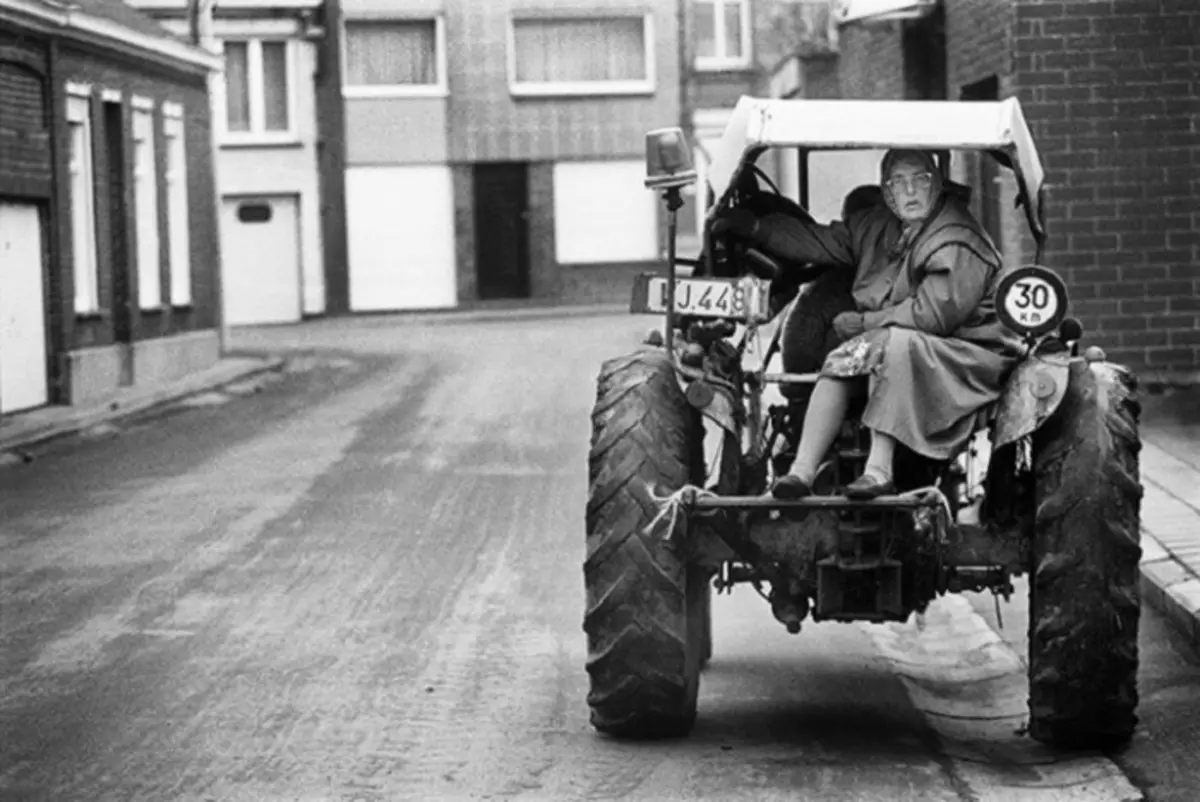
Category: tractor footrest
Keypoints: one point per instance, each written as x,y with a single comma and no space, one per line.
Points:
809,503
858,588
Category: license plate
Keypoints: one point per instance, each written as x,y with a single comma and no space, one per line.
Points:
741,298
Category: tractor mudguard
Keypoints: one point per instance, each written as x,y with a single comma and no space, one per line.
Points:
1031,395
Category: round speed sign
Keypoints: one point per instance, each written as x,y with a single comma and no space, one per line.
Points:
1031,300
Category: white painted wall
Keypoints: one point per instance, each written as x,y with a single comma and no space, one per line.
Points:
279,169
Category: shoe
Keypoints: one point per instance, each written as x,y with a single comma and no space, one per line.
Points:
790,487
867,487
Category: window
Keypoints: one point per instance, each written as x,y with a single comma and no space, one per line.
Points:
83,201
179,253
145,200
394,58
258,90
582,56
722,34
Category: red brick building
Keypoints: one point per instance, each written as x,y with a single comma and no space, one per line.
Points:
107,212
1111,89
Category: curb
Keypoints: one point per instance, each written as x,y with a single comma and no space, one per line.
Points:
456,316
73,423
1171,587
1170,564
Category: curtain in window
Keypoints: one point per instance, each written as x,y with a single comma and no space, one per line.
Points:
391,53
580,50
275,88
237,86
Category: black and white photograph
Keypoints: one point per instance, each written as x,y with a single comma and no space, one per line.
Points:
607,400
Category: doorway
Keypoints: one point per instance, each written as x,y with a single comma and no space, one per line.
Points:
260,251
501,231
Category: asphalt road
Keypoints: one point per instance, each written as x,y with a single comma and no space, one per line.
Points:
360,579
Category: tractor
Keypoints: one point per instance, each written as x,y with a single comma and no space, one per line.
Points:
688,433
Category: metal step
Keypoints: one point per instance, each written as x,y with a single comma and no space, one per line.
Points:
767,502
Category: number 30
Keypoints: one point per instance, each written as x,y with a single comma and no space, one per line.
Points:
1035,294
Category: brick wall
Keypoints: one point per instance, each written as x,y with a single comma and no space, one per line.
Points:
24,126
978,34
821,77
1110,89
872,61
466,283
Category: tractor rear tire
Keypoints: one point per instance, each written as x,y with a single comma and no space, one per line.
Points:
647,619
1084,596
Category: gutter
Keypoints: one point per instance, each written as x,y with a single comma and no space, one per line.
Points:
62,17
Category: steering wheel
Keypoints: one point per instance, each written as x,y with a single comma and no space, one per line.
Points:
748,193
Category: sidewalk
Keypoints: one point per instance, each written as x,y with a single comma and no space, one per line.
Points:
1170,464
25,429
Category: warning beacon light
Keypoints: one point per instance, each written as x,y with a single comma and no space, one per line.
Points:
668,162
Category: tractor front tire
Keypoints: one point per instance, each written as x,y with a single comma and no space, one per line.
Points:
647,613
1084,597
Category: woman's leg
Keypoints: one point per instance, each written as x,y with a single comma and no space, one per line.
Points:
877,476
822,421
883,452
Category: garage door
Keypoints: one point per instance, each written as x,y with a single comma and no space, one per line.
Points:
603,213
260,260
23,379
400,226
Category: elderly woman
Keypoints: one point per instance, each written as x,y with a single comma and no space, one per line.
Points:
924,328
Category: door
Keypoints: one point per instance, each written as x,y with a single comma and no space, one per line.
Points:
501,231
400,227
982,172
23,375
260,259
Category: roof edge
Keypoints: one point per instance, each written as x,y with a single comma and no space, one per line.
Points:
69,18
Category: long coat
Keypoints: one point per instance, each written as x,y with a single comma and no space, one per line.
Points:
935,350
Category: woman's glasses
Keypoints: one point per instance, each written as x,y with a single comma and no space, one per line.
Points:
920,181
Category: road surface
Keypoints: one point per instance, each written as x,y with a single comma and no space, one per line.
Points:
360,580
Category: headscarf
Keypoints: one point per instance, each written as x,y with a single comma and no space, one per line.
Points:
921,157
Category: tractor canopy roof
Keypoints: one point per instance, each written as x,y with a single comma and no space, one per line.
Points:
997,127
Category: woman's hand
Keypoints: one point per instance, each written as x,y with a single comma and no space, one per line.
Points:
848,325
